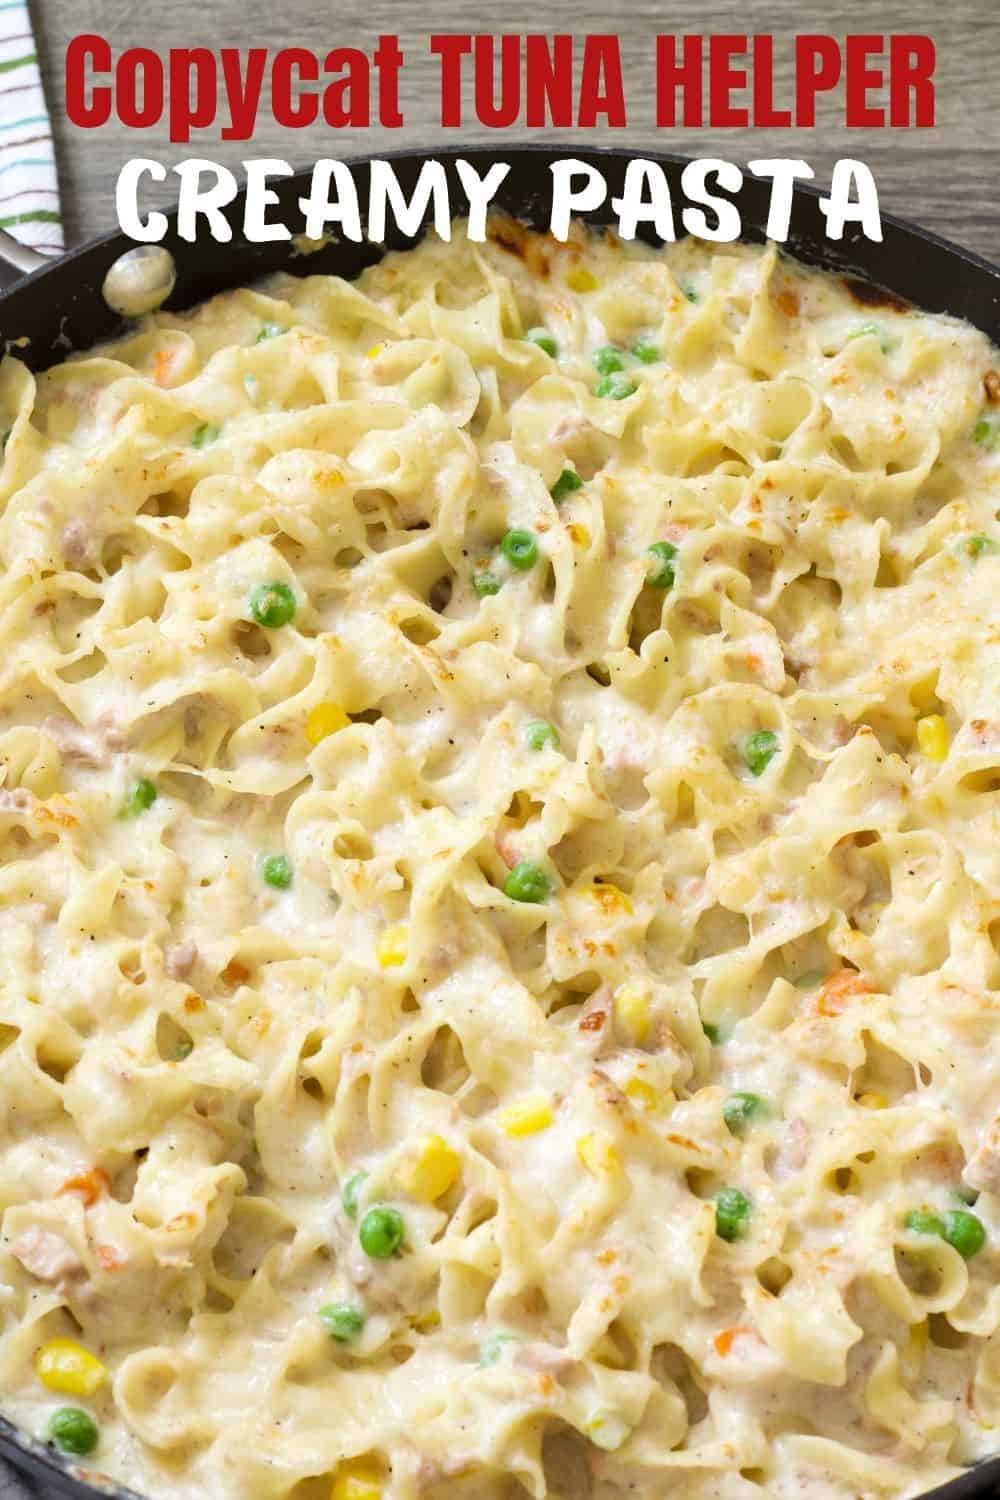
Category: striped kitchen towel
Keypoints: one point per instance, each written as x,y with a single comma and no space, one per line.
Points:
29,188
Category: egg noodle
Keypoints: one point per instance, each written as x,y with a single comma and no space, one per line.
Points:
500,886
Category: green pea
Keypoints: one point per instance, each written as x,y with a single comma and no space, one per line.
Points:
885,342
342,1321
520,548
494,1348
485,583
608,361
381,1232
975,547
732,1214
139,800
713,1033
922,1221
527,882
568,481
740,1110
540,733
759,750
542,339
646,351
273,605
964,1232
276,871
73,1431
269,331
616,386
690,293
349,1197
987,431
205,434
662,567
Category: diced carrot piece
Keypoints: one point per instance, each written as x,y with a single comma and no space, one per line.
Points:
163,366
90,1186
724,1341
839,989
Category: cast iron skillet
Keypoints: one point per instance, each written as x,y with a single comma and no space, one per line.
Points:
59,307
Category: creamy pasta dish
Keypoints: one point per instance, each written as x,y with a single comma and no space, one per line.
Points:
500,886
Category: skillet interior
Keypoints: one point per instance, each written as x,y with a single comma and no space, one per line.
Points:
60,308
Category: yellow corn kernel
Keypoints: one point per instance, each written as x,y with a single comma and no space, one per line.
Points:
374,351
642,1094
597,1154
526,1116
325,719
356,1479
632,1011
66,1366
391,948
932,737
430,1170
873,1101
578,533
581,280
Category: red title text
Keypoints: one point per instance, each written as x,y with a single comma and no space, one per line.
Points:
868,81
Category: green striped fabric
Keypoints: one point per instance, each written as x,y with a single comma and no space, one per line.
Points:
29,186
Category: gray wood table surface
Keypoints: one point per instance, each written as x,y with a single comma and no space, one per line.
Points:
947,178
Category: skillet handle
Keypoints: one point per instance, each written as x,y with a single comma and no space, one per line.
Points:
16,260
